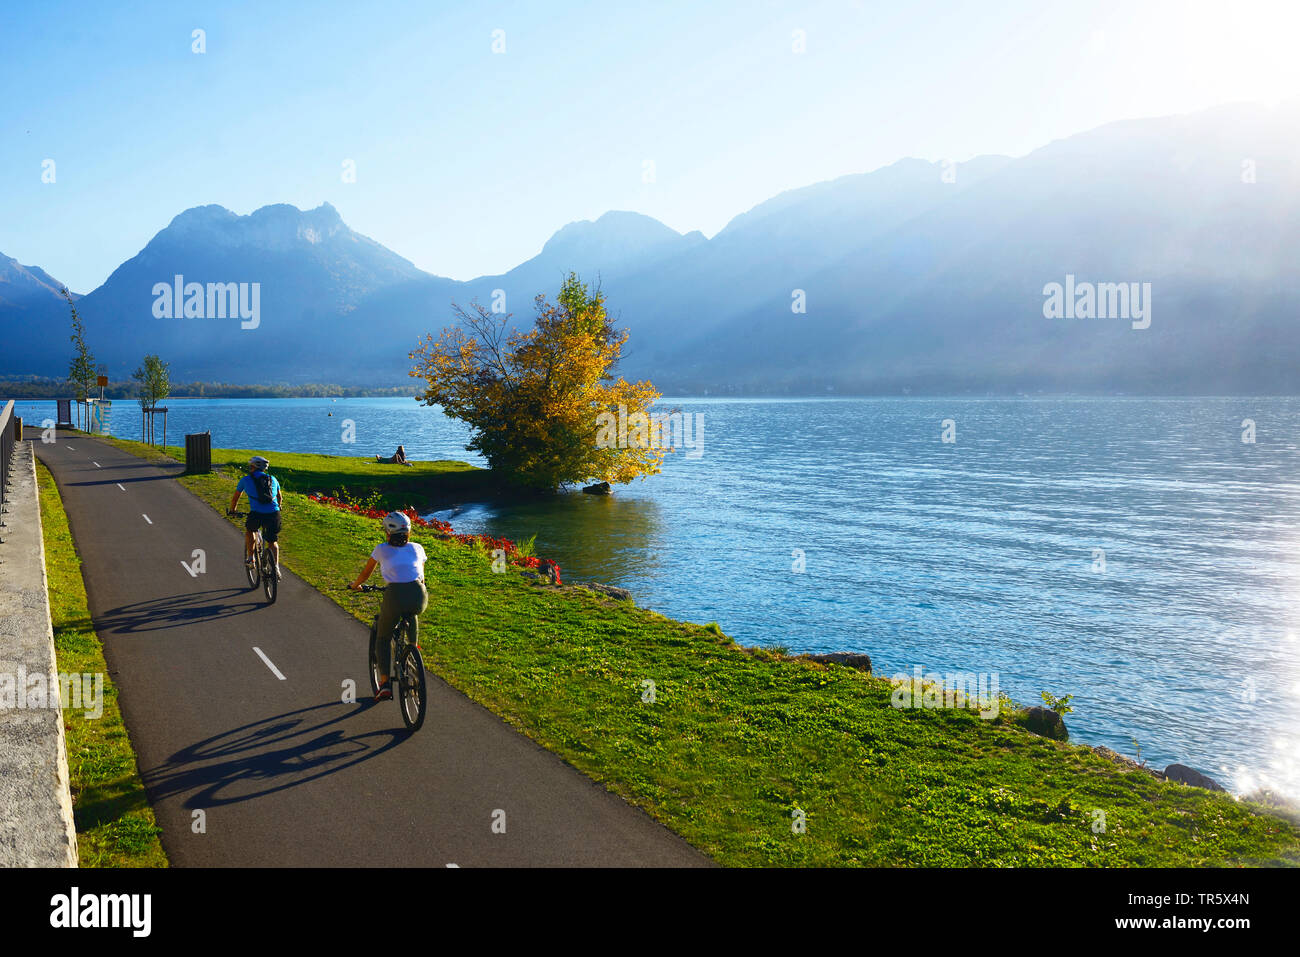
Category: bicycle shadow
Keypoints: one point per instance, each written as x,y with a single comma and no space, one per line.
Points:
249,756
123,479
176,611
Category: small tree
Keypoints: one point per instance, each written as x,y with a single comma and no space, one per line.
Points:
155,385
534,400
81,369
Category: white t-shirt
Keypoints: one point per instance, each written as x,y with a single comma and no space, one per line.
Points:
400,563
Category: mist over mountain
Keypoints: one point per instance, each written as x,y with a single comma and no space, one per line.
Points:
919,277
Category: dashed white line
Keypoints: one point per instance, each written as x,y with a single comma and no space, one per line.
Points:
70,448
274,670
119,485
147,518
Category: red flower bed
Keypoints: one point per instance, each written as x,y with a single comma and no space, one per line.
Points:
443,528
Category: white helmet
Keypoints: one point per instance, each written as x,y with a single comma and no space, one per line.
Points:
396,523
257,462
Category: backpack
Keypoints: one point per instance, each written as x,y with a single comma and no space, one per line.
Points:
262,482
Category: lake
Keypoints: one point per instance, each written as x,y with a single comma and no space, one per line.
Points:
1133,553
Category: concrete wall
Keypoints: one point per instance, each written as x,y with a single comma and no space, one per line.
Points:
36,828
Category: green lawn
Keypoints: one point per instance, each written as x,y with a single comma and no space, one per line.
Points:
424,485
738,742
115,824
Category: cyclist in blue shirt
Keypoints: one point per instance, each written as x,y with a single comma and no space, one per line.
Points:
264,501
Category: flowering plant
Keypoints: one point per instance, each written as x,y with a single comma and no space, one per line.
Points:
444,529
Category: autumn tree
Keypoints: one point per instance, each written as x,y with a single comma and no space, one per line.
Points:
534,399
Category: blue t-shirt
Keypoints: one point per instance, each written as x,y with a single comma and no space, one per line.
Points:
249,488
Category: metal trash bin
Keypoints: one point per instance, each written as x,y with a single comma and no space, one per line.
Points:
198,452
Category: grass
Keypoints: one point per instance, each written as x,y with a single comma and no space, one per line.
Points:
425,485
738,742
115,824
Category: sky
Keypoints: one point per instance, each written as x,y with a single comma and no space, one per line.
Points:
468,158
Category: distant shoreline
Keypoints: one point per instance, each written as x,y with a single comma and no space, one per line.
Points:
45,389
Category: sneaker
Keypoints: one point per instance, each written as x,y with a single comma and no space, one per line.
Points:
385,692
278,576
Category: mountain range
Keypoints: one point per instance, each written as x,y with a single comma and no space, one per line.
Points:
918,277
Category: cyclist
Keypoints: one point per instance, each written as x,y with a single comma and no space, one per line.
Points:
401,562
264,502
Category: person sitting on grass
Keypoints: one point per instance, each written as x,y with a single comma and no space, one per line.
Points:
397,458
401,562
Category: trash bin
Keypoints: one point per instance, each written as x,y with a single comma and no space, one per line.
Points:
198,452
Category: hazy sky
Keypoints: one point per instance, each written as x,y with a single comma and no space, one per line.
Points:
468,160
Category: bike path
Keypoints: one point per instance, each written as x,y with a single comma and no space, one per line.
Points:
284,772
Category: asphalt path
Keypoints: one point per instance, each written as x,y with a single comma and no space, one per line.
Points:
244,767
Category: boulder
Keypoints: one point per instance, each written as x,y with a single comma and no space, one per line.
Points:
622,594
846,658
1191,777
600,488
1116,758
1047,723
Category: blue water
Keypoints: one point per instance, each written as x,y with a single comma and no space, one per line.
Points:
976,556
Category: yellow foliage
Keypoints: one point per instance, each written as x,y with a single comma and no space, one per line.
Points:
534,400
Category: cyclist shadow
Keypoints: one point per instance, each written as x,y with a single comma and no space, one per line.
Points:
268,756
177,611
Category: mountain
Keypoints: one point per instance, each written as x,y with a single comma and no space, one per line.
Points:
1205,208
917,277
31,305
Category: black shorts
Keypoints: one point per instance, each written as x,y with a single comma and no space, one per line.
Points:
268,522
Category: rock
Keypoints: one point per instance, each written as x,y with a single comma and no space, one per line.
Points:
1047,723
1191,777
1116,758
848,659
622,594
600,488
550,571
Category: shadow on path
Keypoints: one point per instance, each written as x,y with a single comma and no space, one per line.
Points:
177,611
269,755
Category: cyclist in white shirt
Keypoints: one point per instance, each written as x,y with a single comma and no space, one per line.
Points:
401,562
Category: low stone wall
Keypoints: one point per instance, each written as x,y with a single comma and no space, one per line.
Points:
36,828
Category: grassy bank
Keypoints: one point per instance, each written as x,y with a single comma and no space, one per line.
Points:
115,824
423,484
735,746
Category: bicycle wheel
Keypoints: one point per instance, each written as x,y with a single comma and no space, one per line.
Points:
374,661
269,582
415,694
253,571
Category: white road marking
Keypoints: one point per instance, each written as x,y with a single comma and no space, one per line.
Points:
119,485
274,669
70,447
193,573
150,521
98,466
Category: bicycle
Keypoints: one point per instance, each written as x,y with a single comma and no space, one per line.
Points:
406,665
262,567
